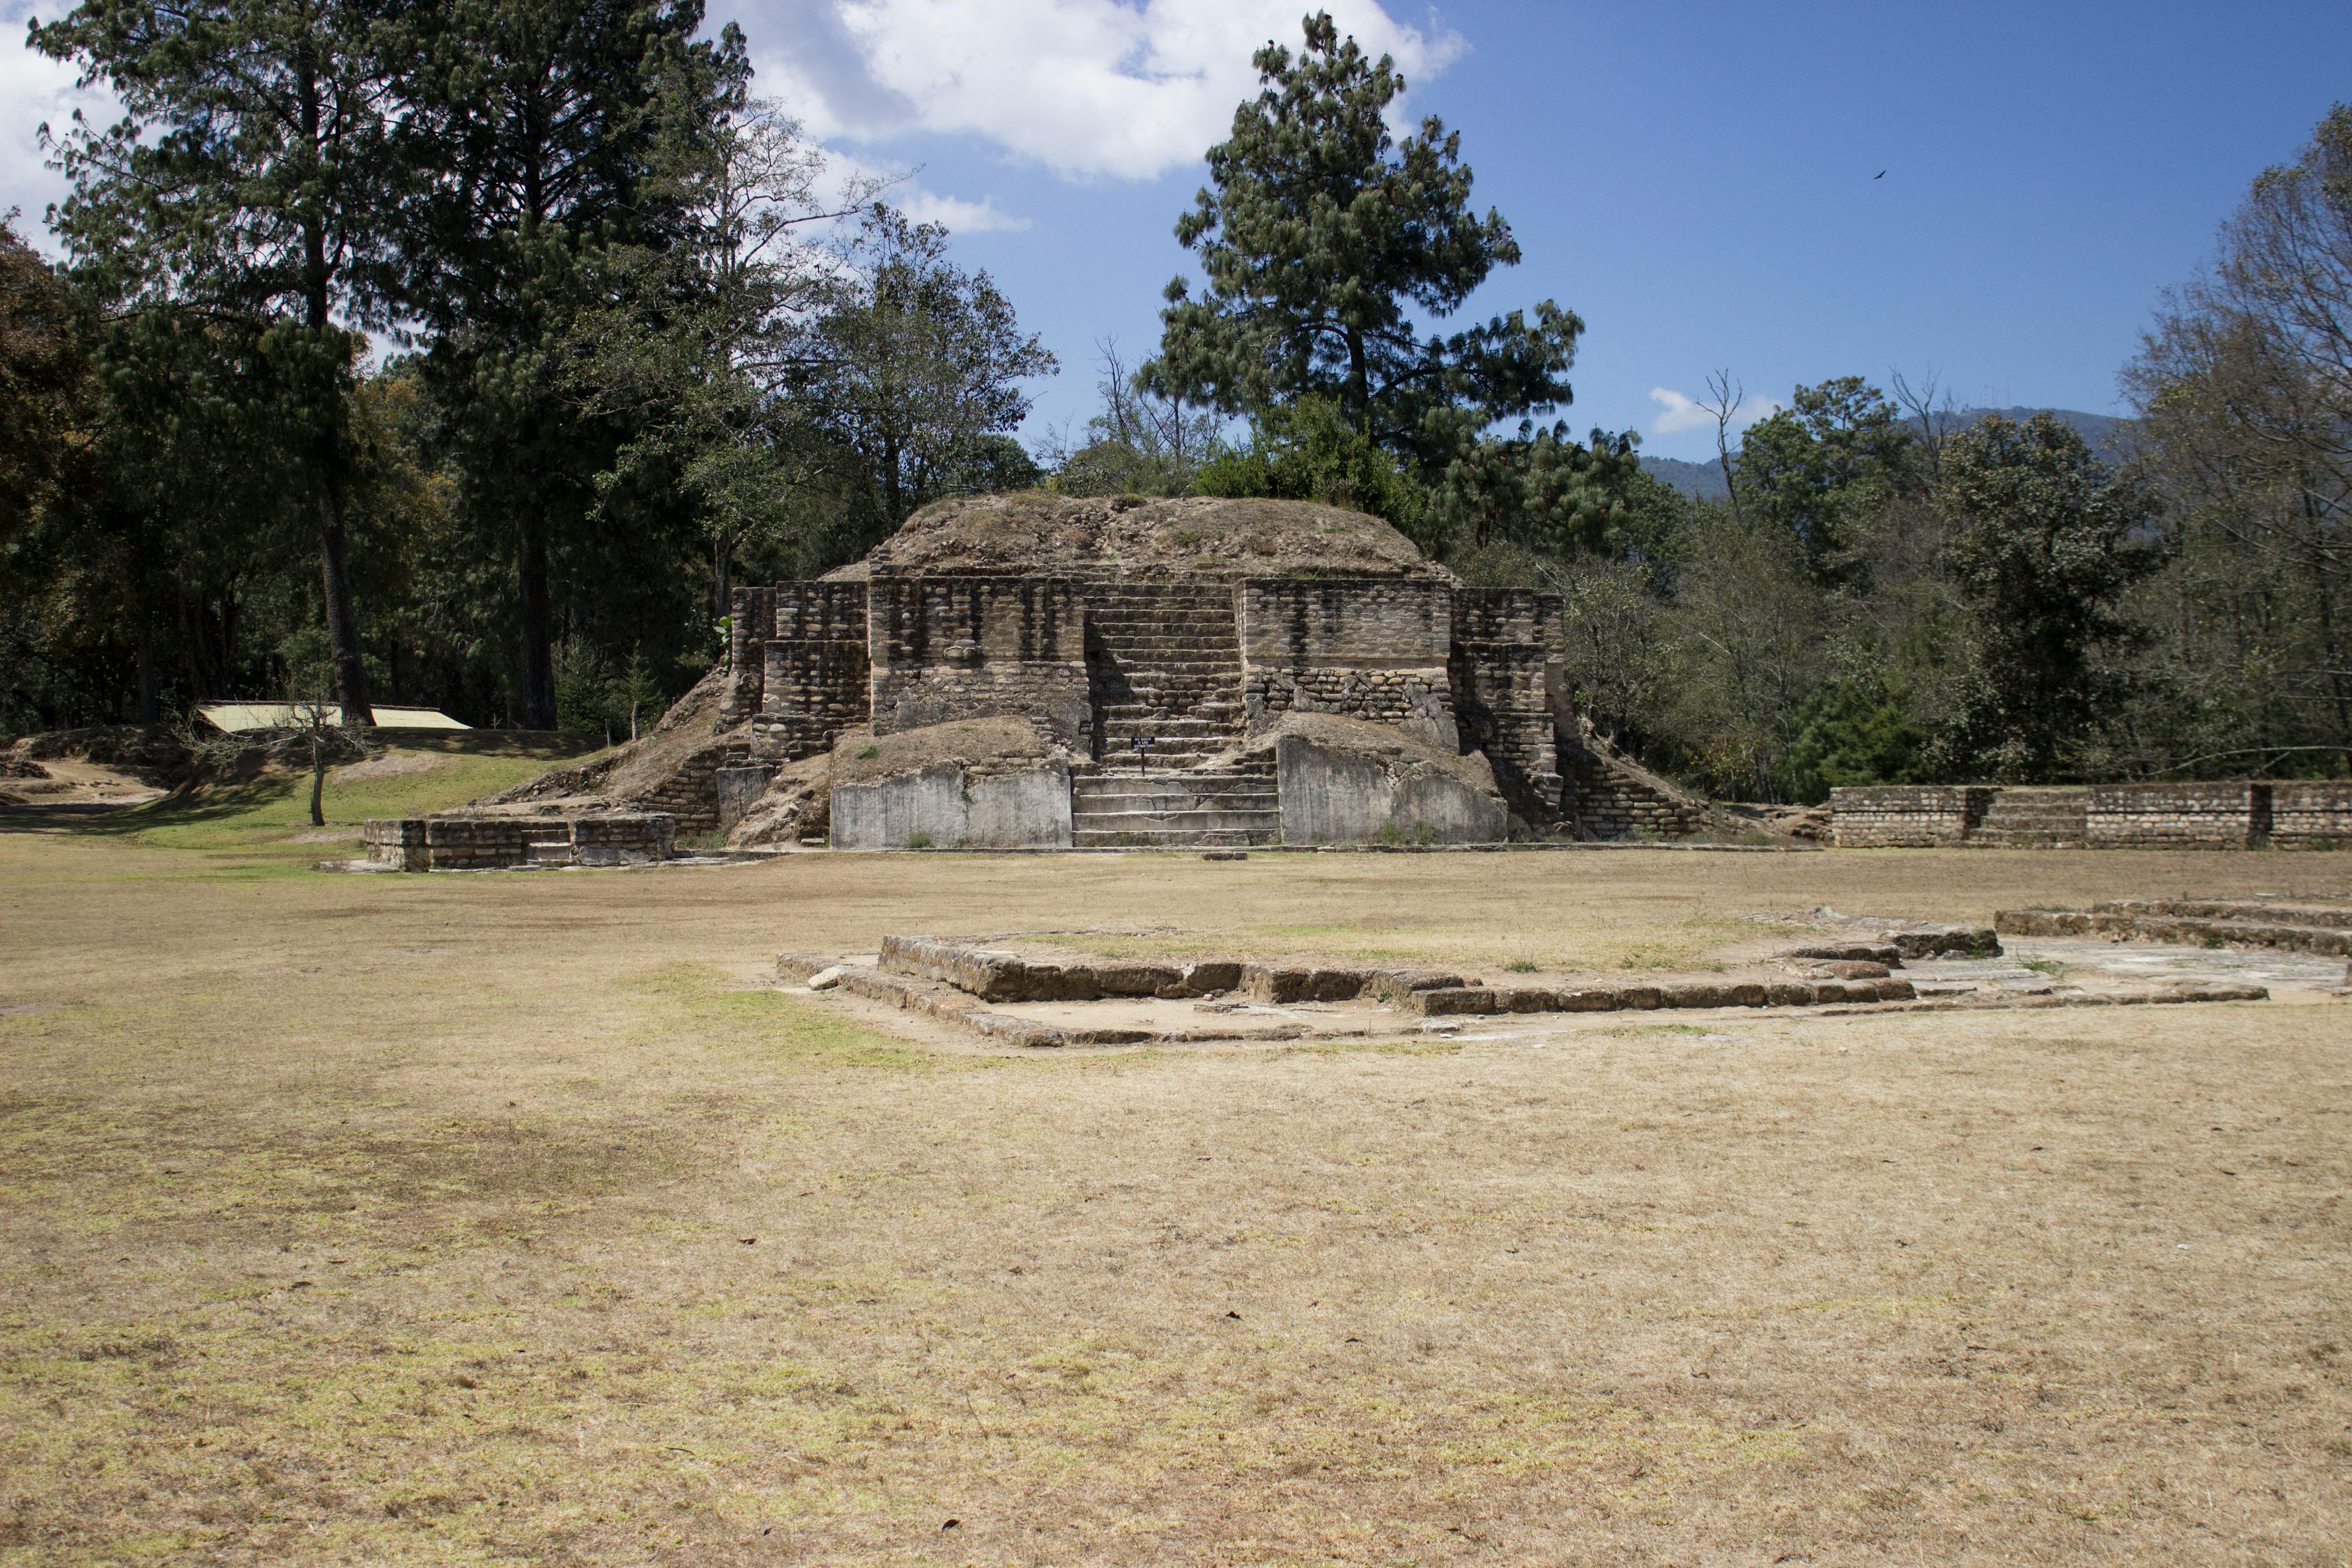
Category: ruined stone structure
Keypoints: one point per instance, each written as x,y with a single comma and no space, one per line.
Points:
457,842
1172,652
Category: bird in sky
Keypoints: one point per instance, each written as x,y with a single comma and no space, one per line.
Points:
1880,175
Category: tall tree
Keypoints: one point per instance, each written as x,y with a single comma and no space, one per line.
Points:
248,178
694,346
539,128
2044,551
43,380
2245,390
1321,238
1540,490
913,378
1822,469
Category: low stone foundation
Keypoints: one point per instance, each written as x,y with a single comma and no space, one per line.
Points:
497,843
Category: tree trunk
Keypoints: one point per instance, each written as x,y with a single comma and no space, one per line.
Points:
537,638
147,714
342,625
317,780
723,574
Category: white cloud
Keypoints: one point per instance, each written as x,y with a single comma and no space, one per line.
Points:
1086,88
958,216
1678,412
35,89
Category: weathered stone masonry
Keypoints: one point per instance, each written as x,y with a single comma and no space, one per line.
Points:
2234,815
1375,650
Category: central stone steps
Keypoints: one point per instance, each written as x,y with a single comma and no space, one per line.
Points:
2033,819
1164,673
1164,808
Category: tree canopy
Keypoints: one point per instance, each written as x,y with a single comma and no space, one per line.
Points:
1325,242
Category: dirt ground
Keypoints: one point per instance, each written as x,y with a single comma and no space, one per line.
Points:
506,1218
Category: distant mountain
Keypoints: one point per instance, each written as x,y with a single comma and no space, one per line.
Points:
2108,436
1700,481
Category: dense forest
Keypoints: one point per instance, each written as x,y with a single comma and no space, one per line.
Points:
464,352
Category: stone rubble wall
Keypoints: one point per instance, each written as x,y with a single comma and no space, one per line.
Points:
975,647
1607,800
690,794
1905,816
2177,815
2234,815
1375,650
1507,647
492,843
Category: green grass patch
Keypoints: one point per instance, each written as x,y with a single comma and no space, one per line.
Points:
263,826
782,1028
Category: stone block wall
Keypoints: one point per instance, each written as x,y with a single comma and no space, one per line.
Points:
750,621
2229,814
814,681
397,842
1368,648
493,843
1504,655
1889,816
2177,815
2315,814
975,647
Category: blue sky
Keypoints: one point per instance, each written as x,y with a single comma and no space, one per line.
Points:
1695,180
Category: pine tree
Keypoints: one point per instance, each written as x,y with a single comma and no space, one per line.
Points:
1322,237
536,130
248,180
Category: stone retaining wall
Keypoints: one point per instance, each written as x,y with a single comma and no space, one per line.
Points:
1884,816
946,807
2230,814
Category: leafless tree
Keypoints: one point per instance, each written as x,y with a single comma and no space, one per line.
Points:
1724,396
1932,410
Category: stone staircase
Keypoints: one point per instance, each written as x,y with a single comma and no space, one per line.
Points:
1210,808
1164,673
2048,818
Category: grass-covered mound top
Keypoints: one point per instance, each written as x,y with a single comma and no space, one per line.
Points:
1034,534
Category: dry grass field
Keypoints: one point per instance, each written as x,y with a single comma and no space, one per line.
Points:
506,1218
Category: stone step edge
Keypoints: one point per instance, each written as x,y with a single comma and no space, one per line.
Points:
2322,941
1267,837
2261,912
